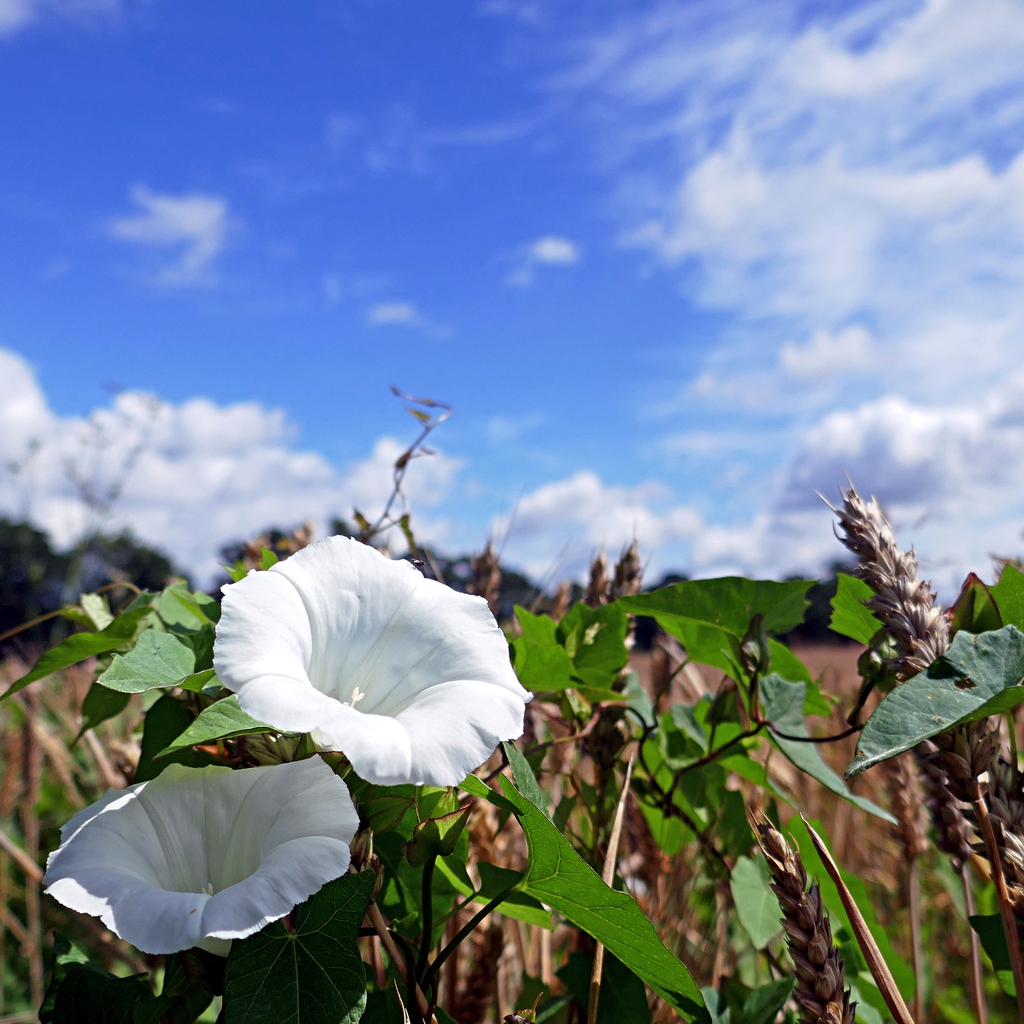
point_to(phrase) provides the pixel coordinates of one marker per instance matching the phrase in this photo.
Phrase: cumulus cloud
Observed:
(186, 478)
(558, 527)
(195, 224)
(549, 251)
(848, 186)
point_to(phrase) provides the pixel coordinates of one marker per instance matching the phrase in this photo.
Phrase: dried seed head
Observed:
(561, 601)
(628, 573)
(597, 588)
(952, 829)
(906, 801)
(821, 982)
(905, 604)
(486, 581)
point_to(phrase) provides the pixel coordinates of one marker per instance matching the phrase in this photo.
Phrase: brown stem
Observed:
(1002, 896)
(60, 611)
(381, 928)
(608, 875)
(30, 829)
(918, 1009)
(977, 984)
(868, 947)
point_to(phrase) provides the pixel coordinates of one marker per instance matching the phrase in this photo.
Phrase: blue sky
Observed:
(676, 265)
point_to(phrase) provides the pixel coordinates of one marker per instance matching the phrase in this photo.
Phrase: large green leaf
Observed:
(222, 720)
(756, 905)
(540, 660)
(101, 704)
(166, 720)
(783, 704)
(623, 999)
(312, 974)
(525, 779)
(595, 640)
(80, 646)
(763, 1004)
(558, 876)
(850, 617)
(1008, 594)
(156, 660)
(729, 603)
(980, 675)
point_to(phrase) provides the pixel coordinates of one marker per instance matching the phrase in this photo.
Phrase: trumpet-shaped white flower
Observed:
(410, 679)
(200, 856)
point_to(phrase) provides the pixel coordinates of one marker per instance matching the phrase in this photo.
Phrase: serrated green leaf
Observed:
(222, 720)
(312, 975)
(157, 660)
(979, 675)
(558, 877)
(756, 905)
(783, 704)
(80, 646)
(849, 615)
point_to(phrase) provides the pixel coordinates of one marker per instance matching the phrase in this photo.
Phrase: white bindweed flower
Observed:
(410, 679)
(200, 856)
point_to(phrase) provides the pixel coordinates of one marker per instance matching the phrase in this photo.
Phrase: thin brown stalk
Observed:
(608, 875)
(906, 801)
(1003, 898)
(977, 978)
(20, 857)
(30, 829)
(629, 572)
(598, 585)
(868, 947)
(381, 928)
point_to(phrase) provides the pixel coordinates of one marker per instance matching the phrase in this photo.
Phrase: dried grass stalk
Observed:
(629, 573)
(486, 581)
(820, 977)
(599, 584)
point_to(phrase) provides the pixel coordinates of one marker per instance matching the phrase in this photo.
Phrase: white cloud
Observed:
(565, 522)
(549, 251)
(827, 355)
(848, 185)
(400, 314)
(16, 15)
(196, 224)
(203, 475)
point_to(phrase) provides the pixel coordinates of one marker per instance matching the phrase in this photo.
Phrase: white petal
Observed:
(378, 634)
(264, 838)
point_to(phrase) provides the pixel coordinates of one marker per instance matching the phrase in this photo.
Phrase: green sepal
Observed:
(436, 837)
